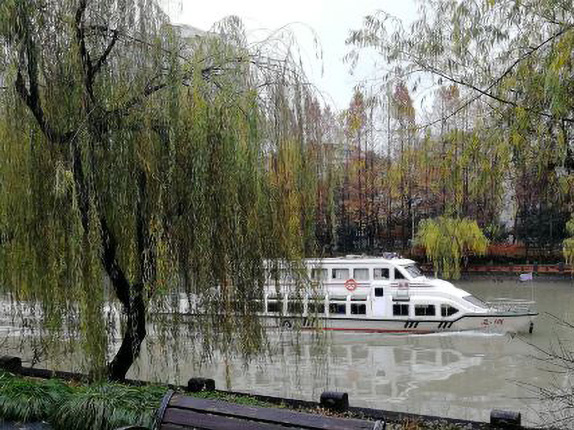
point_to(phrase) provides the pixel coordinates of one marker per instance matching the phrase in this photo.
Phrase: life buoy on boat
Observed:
(351, 284)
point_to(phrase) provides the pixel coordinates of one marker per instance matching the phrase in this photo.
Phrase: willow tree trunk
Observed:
(131, 296)
(134, 335)
(132, 299)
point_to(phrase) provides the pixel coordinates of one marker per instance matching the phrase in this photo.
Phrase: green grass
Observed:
(108, 406)
(77, 407)
(27, 400)
(105, 406)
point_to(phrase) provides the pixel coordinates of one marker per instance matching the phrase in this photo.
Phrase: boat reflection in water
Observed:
(378, 372)
(461, 375)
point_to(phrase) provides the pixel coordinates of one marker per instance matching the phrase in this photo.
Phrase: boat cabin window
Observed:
(413, 270)
(358, 309)
(400, 310)
(379, 292)
(381, 273)
(425, 310)
(295, 307)
(274, 307)
(447, 310)
(341, 274)
(316, 308)
(361, 274)
(337, 308)
(319, 274)
(475, 301)
(398, 274)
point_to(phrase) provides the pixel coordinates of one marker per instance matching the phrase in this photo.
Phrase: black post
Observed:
(11, 364)
(505, 419)
(335, 400)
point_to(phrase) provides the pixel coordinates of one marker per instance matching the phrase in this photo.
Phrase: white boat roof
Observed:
(359, 260)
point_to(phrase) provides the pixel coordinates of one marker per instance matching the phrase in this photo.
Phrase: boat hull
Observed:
(503, 323)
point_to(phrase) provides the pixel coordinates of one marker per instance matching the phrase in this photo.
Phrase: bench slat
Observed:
(270, 415)
(187, 419)
(169, 426)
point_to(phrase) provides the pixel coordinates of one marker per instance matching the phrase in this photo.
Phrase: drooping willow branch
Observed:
(487, 91)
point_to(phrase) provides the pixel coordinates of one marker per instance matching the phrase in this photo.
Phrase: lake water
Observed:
(460, 375)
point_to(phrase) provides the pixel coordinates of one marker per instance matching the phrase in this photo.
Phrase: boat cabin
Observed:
(382, 302)
(374, 288)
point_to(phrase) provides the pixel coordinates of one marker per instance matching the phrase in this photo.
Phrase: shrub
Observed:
(107, 407)
(30, 400)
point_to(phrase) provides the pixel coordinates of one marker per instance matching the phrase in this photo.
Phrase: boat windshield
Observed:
(475, 301)
(413, 270)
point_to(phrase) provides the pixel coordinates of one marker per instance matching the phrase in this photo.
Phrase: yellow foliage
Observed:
(448, 240)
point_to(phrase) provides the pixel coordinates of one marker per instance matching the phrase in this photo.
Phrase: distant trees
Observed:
(496, 145)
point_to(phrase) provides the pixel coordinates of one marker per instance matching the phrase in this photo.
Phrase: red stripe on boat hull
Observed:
(376, 330)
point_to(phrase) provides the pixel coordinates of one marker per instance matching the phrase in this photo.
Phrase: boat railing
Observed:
(515, 306)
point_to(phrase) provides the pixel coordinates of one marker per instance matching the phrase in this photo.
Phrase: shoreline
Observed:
(544, 271)
(394, 420)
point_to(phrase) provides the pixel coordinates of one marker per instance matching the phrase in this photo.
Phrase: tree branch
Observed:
(151, 89)
(136, 100)
(98, 65)
(84, 54)
(113, 269)
(102, 28)
(487, 91)
(32, 99)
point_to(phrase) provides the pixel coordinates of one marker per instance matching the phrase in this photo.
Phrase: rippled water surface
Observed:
(462, 375)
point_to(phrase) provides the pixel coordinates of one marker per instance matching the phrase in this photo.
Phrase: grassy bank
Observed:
(108, 406)
(75, 406)
(78, 406)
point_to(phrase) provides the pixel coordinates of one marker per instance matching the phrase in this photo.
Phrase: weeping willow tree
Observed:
(448, 240)
(135, 164)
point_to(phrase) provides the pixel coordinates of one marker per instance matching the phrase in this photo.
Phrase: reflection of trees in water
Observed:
(25, 331)
(169, 358)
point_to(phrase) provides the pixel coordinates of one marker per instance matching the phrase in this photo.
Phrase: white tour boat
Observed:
(385, 295)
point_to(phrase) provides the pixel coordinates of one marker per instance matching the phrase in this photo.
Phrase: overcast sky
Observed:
(331, 20)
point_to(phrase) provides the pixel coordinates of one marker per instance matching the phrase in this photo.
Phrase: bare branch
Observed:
(84, 54)
(32, 99)
(487, 90)
(98, 65)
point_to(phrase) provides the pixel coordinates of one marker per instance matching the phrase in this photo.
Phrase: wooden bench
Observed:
(179, 412)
